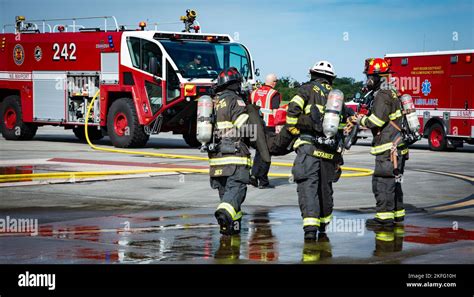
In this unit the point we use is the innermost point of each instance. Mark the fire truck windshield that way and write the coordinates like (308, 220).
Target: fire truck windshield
(206, 60)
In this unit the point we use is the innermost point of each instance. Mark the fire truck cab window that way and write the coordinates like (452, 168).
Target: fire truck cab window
(205, 60)
(140, 53)
(149, 50)
(173, 90)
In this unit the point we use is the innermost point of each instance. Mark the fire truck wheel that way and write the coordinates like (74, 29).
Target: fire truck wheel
(437, 138)
(94, 133)
(191, 140)
(122, 125)
(12, 125)
(189, 135)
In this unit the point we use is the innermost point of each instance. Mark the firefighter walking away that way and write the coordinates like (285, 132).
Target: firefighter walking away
(315, 165)
(229, 156)
(385, 121)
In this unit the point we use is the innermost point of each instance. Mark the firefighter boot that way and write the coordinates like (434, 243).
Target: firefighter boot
(224, 220)
(236, 225)
(310, 235)
(253, 181)
(227, 225)
(322, 227)
(399, 220)
(399, 216)
(374, 223)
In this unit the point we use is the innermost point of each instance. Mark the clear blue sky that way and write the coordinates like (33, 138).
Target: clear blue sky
(287, 37)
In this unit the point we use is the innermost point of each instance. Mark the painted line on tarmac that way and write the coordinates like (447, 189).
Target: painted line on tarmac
(463, 205)
(466, 202)
(455, 207)
(456, 175)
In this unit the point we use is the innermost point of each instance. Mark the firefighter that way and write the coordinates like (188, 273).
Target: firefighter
(195, 64)
(268, 99)
(314, 167)
(388, 147)
(230, 161)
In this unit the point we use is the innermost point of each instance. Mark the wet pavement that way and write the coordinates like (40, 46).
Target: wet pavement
(168, 217)
(269, 236)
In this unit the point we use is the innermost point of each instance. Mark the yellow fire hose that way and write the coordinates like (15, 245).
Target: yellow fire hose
(88, 174)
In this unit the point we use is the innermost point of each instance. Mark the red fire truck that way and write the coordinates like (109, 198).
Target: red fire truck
(148, 80)
(442, 87)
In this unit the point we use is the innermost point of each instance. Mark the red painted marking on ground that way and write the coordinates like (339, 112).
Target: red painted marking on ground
(123, 163)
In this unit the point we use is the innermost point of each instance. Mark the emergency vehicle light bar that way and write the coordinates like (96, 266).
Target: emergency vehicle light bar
(194, 37)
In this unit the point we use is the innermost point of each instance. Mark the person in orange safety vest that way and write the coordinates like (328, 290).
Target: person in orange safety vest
(268, 99)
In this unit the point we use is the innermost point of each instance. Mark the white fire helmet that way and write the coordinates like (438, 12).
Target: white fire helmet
(323, 67)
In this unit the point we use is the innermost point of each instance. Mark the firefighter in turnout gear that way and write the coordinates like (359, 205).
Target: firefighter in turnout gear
(268, 99)
(388, 147)
(230, 161)
(315, 166)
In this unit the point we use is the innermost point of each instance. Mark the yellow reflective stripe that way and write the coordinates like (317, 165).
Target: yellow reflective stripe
(320, 107)
(326, 219)
(230, 209)
(241, 119)
(375, 150)
(341, 126)
(385, 215)
(324, 155)
(307, 109)
(399, 231)
(385, 236)
(363, 120)
(300, 142)
(298, 100)
(404, 151)
(399, 213)
(311, 257)
(374, 119)
(229, 161)
(291, 120)
(234, 242)
(311, 222)
(224, 125)
(238, 215)
(395, 115)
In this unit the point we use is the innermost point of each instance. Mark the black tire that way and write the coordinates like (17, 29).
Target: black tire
(132, 134)
(437, 138)
(189, 135)
(16, 130)
(94, 133)
(191, 140)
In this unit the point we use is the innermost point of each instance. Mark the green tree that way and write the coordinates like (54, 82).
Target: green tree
(348, 86)
(287, 87)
